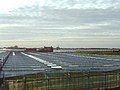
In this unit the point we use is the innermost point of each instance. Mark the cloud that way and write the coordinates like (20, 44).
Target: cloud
(59, 4)
(12, 25)
(84, 22)
(78, 4)
(82, 4)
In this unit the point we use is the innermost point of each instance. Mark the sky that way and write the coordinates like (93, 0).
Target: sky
(64, 23)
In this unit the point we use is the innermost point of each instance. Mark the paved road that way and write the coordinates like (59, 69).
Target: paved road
(20, 63)
(3, 54)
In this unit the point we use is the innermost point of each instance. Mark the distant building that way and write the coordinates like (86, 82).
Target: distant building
(12, 47)
(57, 48)
(116, 50)
(45, 49)
(31, 49)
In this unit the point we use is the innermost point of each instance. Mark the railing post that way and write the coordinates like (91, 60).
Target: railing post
(106, 80)
(24, 79)
(37, 80)
(48, 84)
(1, 83)
(88, 80)
(68, 80)
(119, 78)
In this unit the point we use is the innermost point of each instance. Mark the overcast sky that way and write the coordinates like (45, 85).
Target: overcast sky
(64, 23)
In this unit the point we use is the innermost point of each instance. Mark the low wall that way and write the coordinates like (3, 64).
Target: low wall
(64, 81)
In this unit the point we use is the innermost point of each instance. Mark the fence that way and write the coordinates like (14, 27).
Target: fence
(63, 81)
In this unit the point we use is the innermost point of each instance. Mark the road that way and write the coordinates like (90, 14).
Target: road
(20, 63)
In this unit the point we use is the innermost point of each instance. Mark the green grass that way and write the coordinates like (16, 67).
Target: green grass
(99, 52)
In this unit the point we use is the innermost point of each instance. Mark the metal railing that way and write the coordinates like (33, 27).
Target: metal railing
(59, 80)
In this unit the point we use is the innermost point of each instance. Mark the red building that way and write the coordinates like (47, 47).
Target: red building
(46, 49)
(31, 49)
